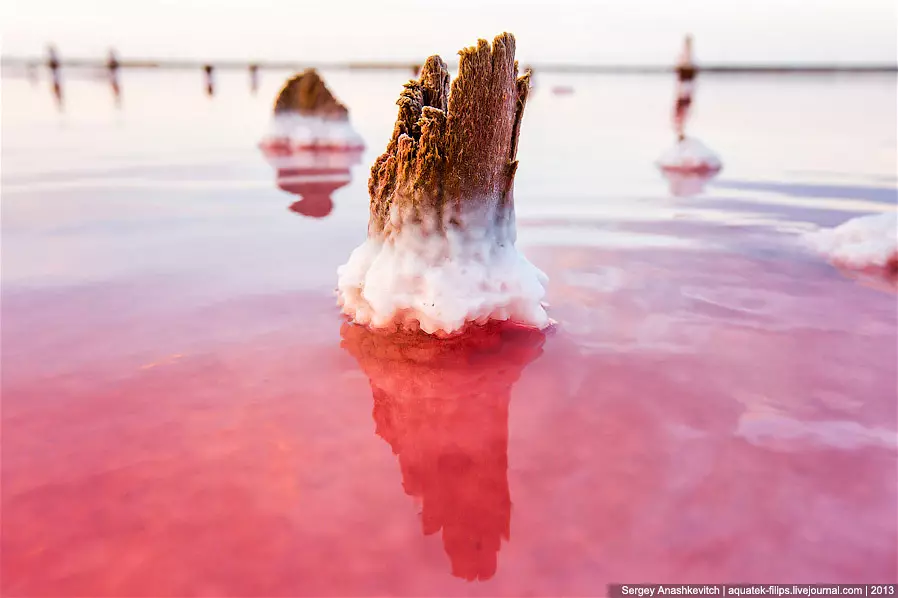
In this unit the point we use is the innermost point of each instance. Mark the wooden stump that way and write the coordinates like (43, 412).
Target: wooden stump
(440, 251)
(307, 95)
(453, 153)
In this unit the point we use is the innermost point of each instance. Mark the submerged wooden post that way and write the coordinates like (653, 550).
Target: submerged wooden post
(440, 250)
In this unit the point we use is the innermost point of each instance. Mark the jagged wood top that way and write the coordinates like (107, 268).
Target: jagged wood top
(307, 94)
(453, 147)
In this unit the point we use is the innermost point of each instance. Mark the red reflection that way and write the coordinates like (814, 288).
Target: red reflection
(687, 183)
(442, 406)
(879, 278)
(313, 175)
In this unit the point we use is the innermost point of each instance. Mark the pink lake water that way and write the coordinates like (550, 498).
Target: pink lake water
(185, 412)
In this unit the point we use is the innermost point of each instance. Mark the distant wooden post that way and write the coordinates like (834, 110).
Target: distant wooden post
(254, 77)
(210, 83)
(113, 65)
(54, 64)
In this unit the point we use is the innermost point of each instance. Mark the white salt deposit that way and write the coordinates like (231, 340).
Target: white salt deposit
(312, 131)
(418, 277)
(867, 241)
(690, 155)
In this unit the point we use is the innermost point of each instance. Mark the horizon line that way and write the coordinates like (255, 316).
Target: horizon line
(554, 67)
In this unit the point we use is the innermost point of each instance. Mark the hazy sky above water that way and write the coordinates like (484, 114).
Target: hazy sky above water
(596, 31)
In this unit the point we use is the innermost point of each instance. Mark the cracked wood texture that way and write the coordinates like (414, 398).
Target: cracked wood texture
(453, 151)
(306, 94)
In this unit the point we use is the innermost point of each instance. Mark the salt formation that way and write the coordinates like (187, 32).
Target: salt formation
(688, 155)
(440, 250)
(442, 406)
(863, 242)
(308, 116)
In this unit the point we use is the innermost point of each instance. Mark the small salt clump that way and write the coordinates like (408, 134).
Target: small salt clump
(864, 242)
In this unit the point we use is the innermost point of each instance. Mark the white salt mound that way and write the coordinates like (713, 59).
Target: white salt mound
(867, 241)
(690, 155)
(439, 283)
(307, 131)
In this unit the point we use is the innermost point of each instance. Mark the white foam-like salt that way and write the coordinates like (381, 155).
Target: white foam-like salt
(302, 130)
(690, 155)
(863, 242)
(441, 282)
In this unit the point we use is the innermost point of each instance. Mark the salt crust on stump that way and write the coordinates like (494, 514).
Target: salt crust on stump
(440, 252)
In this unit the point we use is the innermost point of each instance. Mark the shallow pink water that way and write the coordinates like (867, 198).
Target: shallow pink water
(184, 411)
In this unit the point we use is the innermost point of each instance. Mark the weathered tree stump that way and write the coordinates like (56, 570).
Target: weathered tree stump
(440, 250)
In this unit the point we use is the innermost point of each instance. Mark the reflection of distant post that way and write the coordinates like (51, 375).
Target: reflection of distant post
(315, 187)
(54, 65)
(687, 184)
(312, 175)
(210, 84)
(254, 78)
(113, 65)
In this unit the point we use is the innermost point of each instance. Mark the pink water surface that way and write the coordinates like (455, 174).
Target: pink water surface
(186, 413)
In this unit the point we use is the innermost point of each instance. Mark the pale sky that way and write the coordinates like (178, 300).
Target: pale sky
(585, 31)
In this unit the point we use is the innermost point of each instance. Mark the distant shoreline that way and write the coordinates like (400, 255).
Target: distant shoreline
(408, 66)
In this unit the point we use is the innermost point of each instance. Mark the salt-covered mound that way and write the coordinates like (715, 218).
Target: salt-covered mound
(308, 116)
(442, 406)
(690, 156)
(864, 242)
(441, 249)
